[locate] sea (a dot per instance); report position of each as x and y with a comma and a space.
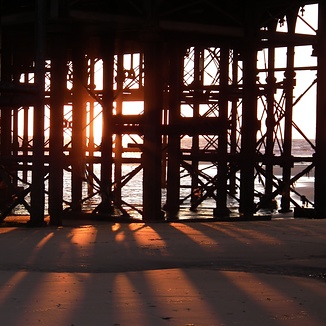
131, 192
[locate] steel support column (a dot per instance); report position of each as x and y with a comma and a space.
270, 124
174, 155
15, 143
249, 123
289, 82
38, 171
233, 131
78, 124
90, 124
25, 144
222, 176
57, 101
320, 156
118, 139
153, 106
197, 84
6, 76
105, 206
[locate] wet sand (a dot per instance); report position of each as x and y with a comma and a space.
185, 273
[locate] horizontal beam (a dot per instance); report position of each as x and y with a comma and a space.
13, 100
280, 39
17, 87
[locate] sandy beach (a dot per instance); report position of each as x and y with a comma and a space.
183, 273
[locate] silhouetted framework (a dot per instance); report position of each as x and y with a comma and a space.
149, 109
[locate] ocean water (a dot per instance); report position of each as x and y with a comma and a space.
132, 190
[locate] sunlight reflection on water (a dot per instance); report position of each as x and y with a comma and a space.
132, 191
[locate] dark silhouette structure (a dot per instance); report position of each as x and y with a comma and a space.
166, 87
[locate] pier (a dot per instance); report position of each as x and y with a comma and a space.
88, 87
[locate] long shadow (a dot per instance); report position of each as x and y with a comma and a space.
275, 247
149, 256
158, 272
303, 298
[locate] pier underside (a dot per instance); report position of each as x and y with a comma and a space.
150, 109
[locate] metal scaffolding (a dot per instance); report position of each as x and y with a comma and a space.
146, 110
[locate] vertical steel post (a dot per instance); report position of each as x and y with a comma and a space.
118, 139
15, 143
25, 142
174, 155
1, 45
78, 124
289, 83
5, 135
57, 101
197, 84
153, 106
270, 122
320, 156
90, 143
222, 176
234, 118
38, 171
105, 206
15, 140
249, 120
4, 76
165, 118
25, 139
